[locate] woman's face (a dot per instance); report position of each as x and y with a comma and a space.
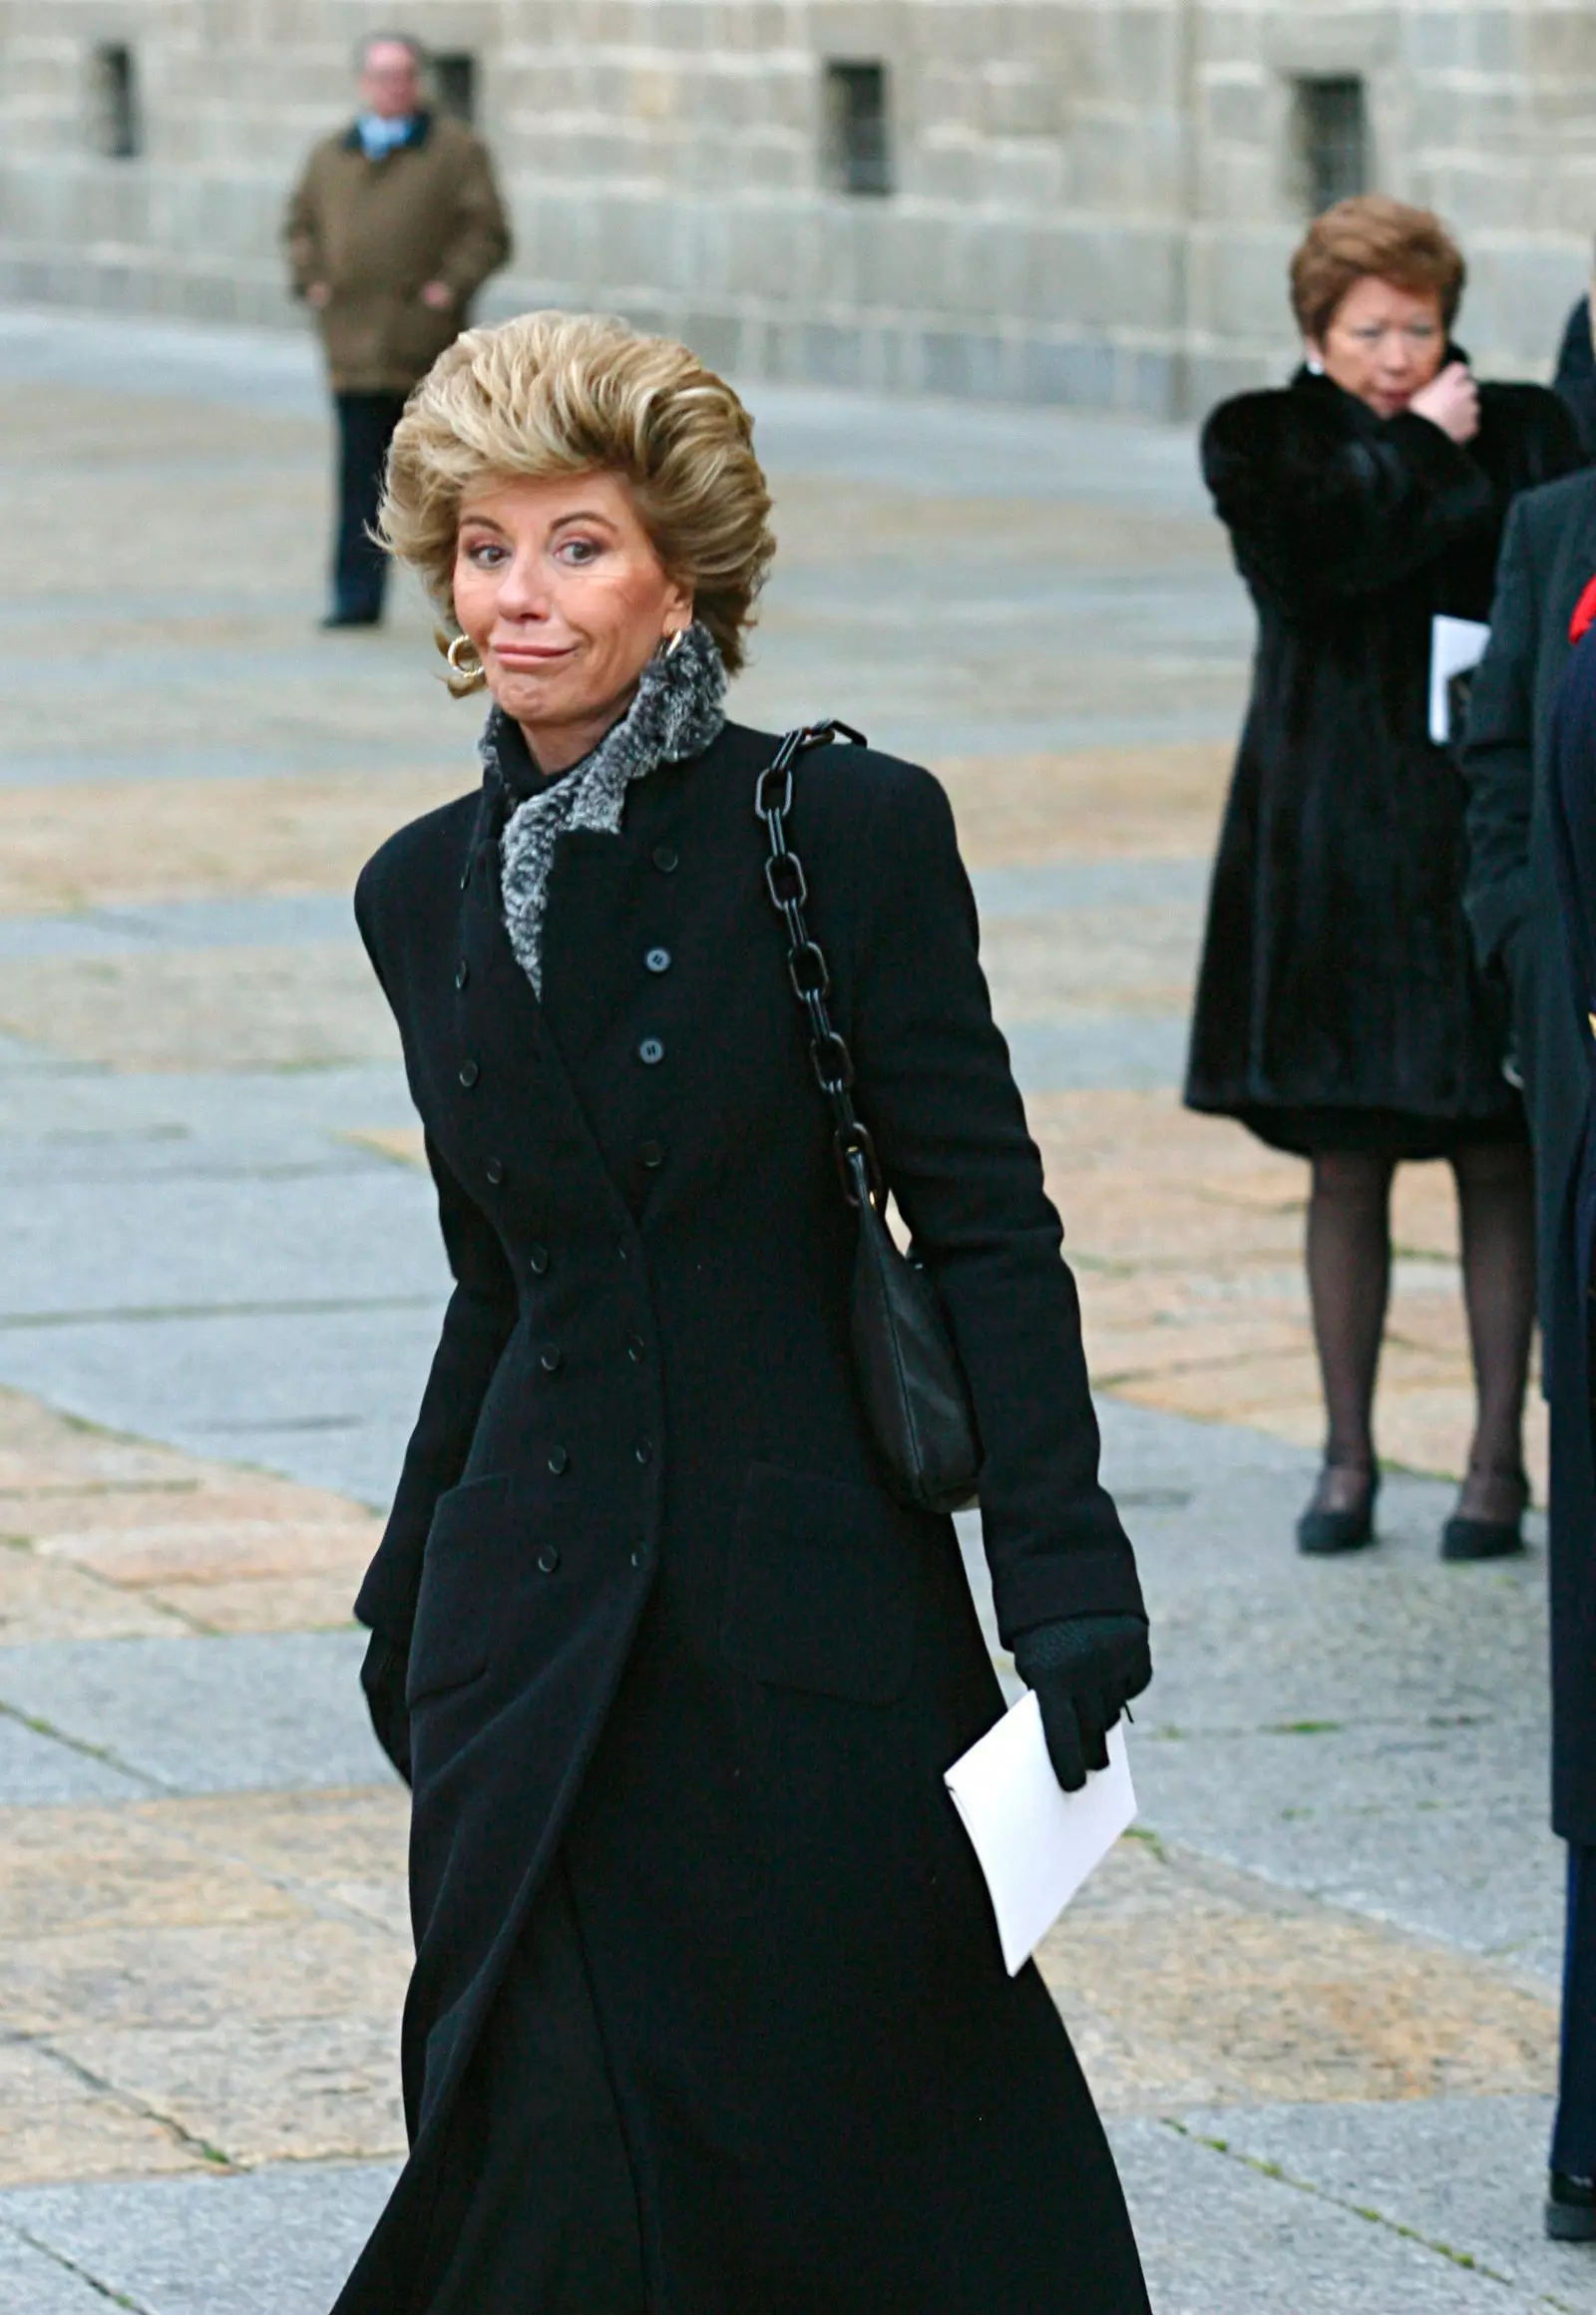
1384, 344
559, 588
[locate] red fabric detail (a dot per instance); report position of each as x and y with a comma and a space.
1584, 614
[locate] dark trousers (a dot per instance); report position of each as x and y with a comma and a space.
360, 569
1574, 2137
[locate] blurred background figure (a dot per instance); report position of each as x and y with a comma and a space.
1339, 1013
1576, 373
393, 228
1521, 745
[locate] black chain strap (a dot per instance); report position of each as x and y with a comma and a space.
807, 969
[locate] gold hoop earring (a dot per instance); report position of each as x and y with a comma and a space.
675, 644
464, 665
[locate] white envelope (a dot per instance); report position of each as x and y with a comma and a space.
1455, 646
1036, 1842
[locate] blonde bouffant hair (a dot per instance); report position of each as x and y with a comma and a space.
570, 393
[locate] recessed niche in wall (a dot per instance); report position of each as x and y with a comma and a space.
114, 127
454, 75
858, 154
1330, 141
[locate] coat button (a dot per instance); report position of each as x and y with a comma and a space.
650, 1052
462, 974
548, 1559
636, 1349
652, 1154
550, 1359
658, 959
559, 1461
469, 1073
644, 1451
537, 1260
665, 859
639, 1556
494, 1171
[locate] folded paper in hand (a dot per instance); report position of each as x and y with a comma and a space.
1036, 1842
1456, 646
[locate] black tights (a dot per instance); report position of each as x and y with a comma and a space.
1348, 1280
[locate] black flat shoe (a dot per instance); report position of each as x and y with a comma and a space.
1570, 2208
1341, 1517
352, 618
1469, 1536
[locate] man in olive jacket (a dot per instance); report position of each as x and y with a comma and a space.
394, 225
1547, 564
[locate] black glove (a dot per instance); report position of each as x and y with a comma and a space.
382, 1676
1084, 1671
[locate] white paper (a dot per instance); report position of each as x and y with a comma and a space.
1036, 1842
1455, 646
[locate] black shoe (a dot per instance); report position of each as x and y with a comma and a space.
1465, 1536
1570, 2208
1341, 1517
353, 619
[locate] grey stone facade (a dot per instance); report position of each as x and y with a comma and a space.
1090, 201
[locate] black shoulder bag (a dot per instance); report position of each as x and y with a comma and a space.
916, 1397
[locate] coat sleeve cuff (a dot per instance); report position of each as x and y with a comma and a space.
1496, 916
1094, 1580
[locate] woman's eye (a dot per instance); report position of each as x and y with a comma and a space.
577, 551
486, 552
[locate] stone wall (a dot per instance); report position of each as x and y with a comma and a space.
1093, 201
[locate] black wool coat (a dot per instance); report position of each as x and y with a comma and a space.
667, 1622
1548, 559
1337, 1002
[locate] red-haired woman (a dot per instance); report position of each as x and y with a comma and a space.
1339, 1013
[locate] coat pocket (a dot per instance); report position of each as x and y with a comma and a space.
823, 1587
456, 1606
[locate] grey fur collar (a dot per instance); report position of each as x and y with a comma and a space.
679, 709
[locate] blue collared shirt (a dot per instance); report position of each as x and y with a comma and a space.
379, 137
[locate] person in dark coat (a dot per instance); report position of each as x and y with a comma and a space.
1575, 381
1532, 899
393, 228
1339, 1013
708, 2014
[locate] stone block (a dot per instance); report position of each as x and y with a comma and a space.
833, 354
1019, 98
967, 364
1068, 370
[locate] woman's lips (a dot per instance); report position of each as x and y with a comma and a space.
531, 655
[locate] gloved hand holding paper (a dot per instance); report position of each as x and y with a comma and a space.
1036, 1842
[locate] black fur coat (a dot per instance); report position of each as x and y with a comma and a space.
1339, 1005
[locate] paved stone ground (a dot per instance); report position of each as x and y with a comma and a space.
1314, 1992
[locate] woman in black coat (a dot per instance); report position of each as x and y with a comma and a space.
1339, 1013
708, 2014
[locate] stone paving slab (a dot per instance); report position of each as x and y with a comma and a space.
277, 2243
36, 2282
1459, 2174
279, 1710
36, 1767
1219, 2237
1182, 1981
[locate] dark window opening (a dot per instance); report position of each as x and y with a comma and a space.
454, 75
114, 103
858, 156
1330, 130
